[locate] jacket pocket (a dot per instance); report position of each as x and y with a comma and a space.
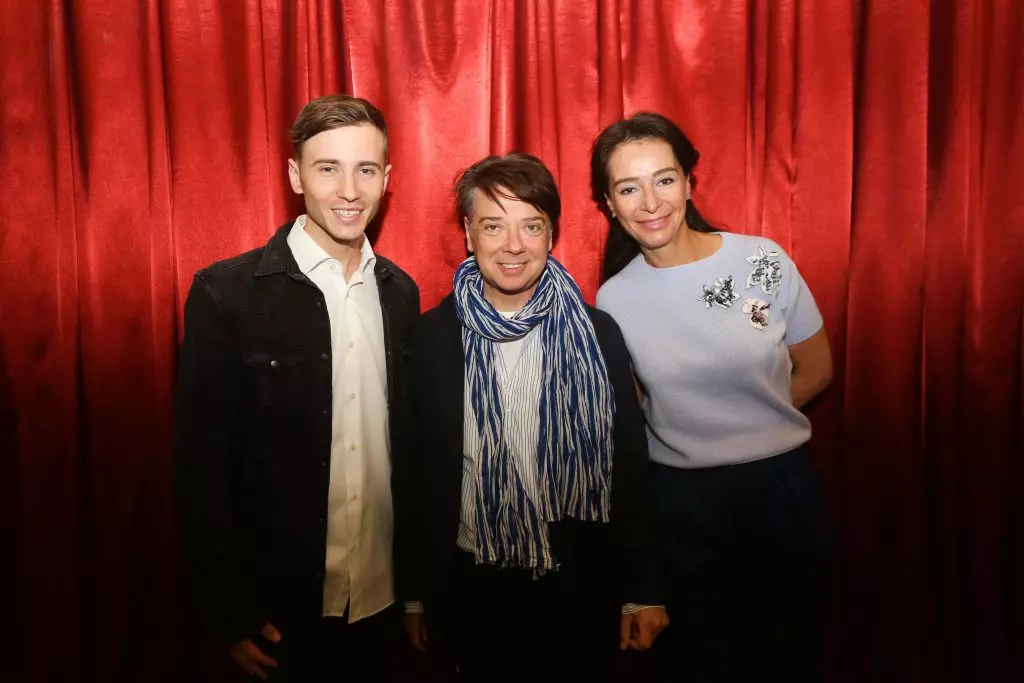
278, 374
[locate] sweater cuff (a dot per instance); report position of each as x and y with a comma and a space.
633, 608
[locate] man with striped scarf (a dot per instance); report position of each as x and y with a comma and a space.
523, 537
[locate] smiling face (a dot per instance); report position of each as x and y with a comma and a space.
341, 174
510, 242
648, 191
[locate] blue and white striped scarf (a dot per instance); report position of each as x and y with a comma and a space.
574, 448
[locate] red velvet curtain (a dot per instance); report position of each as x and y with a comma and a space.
879, 141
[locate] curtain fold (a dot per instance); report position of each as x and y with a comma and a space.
879, 141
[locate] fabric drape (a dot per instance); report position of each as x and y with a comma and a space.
878, 141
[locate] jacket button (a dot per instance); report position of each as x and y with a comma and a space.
323, 356
324, 412
273, 363
319, 304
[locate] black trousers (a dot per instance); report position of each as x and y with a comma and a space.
747, 548
332, 650
510, 626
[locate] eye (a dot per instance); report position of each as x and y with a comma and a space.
328, 170
666, 181
491, 228
629, 189
534, 228
368, 171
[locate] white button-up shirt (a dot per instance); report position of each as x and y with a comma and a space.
359, 511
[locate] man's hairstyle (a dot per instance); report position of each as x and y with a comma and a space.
335, 111
513, 176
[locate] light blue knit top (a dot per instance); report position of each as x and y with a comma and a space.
711, 352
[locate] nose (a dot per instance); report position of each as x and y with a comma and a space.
346, 187
649, 201
513, 241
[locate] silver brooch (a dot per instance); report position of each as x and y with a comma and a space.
758, 312
720, 293
767, 272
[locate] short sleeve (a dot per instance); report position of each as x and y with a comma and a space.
801, 313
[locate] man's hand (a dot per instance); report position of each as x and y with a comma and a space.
416, 630
639, 629
251, 658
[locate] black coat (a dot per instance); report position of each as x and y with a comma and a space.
253, 433
427, 483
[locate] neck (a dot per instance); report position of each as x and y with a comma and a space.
346, 252
688, 246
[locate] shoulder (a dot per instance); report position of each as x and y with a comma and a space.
398, 277
438, 319
232, 269
750, 246
604, 324
609, 335
619, 285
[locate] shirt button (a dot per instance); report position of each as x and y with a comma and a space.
323, 356
352, 395
353, 447
351, 344
353, 498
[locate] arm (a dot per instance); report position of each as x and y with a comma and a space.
812, 367
633, 517
207, 385
406, 494
643, 616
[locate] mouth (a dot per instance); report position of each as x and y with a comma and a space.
347, 214
653, 223
511, 268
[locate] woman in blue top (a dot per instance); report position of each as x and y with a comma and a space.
728, 346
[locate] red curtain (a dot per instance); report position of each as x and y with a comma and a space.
879, 141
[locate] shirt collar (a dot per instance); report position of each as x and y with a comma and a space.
308, 254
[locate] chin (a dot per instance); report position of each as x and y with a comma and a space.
348, 233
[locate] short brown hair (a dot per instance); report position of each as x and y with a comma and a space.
335, 111
513, 176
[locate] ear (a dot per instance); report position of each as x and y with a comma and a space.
469, 241
688, 190
608, 201
294, 177
387, 177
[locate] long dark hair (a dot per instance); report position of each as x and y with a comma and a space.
621, 248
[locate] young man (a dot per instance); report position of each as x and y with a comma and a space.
289, 398
524, 541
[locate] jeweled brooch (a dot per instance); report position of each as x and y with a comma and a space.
720, 293
758, 312
767, 272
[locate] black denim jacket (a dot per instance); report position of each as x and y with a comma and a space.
253, 433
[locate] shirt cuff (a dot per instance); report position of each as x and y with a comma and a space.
413, 607
632, 607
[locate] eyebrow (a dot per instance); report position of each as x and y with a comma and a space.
633, 179
500, 218
359, 164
